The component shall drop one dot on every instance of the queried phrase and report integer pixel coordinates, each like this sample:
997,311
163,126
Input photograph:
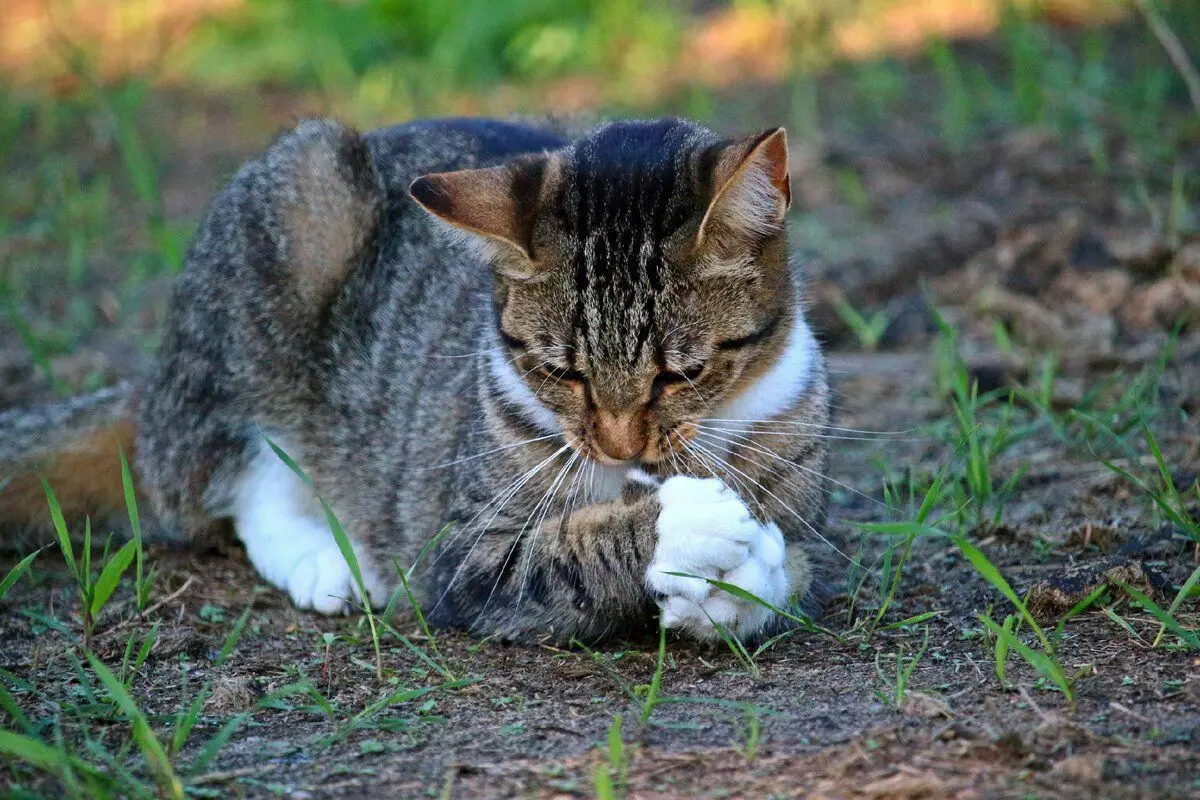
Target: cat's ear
495,208
751,190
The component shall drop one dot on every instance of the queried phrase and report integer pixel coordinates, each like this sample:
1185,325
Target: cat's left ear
751,190
494,207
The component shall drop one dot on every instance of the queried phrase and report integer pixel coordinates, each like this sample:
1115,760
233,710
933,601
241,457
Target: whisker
808,434
749,443
799,423
537,529
510,492
502,448
546,497
794,513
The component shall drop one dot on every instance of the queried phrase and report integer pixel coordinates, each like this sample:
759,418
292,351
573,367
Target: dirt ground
1018,229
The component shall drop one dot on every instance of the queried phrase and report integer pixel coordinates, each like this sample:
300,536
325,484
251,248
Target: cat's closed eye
564,374
672,378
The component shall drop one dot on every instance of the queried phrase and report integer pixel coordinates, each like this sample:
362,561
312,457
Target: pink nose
619,436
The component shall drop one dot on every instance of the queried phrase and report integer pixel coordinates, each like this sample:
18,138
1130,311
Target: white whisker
509,492
801,424
747,442
793,511
502,448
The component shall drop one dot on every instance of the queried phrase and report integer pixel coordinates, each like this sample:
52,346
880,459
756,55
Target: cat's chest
607,482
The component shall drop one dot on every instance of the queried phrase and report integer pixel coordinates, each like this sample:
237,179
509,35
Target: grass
346,547
94,589
868,330
83,206
897,684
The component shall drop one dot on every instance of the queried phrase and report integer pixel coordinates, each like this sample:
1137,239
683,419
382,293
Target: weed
897,685
656,681
347,551
957,111
868,330
94,591
1166,618
16,572
1166,497
143,581
751,732
610,779
1045,662
151,748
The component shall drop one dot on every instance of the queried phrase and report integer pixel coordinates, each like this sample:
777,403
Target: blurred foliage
105,167
413,50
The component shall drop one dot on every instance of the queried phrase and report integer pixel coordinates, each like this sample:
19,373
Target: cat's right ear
492,208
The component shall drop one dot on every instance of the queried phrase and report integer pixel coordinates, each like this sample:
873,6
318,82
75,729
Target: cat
582,359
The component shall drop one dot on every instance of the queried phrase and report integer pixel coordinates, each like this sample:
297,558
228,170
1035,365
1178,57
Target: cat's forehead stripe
620,199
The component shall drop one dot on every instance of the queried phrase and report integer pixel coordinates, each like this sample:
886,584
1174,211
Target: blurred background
1032,166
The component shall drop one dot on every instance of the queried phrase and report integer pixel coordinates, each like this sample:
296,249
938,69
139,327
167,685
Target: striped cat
585,361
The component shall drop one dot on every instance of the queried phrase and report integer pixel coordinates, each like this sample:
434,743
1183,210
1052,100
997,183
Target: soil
1017,228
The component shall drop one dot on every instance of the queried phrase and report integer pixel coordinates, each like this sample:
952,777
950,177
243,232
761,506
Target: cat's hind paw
321,580
705,530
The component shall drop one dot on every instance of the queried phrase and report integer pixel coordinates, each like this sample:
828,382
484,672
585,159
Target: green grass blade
60,527
913,620
1002,647
16,572
656,680
214,745
151,748
110,576
235,635
15,714
135,524
416,607
913,529
742,594
992,575
1167,619
1046,666
32,752
1185,591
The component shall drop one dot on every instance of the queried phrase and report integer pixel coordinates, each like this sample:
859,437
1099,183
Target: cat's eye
560,374
671,378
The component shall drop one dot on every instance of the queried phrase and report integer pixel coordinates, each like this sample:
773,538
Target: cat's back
402,153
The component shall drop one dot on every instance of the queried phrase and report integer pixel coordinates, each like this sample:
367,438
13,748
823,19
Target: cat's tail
75,444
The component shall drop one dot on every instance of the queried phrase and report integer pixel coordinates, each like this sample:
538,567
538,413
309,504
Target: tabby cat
583,360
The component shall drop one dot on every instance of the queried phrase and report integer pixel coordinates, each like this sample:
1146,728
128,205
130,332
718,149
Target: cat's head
642,277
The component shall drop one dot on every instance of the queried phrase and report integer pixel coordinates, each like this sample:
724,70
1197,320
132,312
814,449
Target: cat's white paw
705,529
292,547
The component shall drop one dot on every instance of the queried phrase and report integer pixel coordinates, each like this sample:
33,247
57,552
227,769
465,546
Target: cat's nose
621,436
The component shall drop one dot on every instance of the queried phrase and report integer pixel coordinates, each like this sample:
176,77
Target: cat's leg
289,542
605,566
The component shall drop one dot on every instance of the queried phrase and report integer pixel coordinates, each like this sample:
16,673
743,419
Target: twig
172,596
226,775
1175,50
1114,705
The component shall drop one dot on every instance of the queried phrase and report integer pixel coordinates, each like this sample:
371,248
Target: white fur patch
515,389
289,542
704,529
778,389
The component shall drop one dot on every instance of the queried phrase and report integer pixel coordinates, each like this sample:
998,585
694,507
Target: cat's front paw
321,580
704,529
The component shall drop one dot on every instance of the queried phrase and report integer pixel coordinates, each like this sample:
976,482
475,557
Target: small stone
1144,251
